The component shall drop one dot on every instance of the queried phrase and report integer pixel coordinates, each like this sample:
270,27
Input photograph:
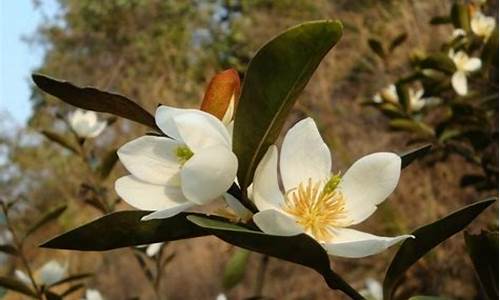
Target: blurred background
165,52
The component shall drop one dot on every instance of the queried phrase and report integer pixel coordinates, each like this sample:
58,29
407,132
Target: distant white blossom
373,290
93,294
464,66
482,25
85,123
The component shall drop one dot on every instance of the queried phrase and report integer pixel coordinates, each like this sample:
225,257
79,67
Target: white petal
304,155
266,193
274,222
22,277
237,207
97,129
164,118
368,182
146,196
168,212
52,272
152,159
473,64
92,294
459,83
353,243
200,130
153,249
228,115
208,174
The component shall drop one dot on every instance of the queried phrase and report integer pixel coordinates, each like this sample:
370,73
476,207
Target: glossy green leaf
398,41
93,99
275,77
300,249
123,229
107,164
376,47
235,269
47,218
60,140
17,286
460,16
408,157
8,249
483,251
426,238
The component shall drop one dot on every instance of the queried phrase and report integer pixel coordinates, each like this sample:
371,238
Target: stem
19,245
235,191
261,274
334,281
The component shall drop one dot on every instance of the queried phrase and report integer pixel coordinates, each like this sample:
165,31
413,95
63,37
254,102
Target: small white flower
52,272
93,294
464,65
373,290
388,94
85,123
153,249
23,277
416,100
221,296
482,25
318,203
194,166
458,32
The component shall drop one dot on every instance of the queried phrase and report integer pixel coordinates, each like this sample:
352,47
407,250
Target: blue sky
18,19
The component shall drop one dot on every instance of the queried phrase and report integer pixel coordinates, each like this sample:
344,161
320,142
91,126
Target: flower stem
261,274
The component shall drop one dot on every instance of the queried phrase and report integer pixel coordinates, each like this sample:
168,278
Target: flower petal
272,221
354,244
168,212
97,129
459,83
153,249
146,196
237,207
265,192
164,118
368,182
199,130
304,155
208,174
473,64
152,159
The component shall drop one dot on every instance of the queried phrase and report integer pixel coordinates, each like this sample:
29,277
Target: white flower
373,290
388,94
416,100
92,294
52,272
221,296
482,25
153,249
464,65
23,277
194,166
458,33
85,123
318,203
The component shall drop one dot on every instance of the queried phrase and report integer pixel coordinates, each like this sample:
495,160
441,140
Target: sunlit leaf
460,16
483,251
61,140
426,238
300,249
125,228
93,99
235,269
398,41
376,47
47,218
107,164
17,286
275,77
223,87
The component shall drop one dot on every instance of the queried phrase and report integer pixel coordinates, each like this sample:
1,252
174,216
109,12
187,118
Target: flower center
183,154
317,210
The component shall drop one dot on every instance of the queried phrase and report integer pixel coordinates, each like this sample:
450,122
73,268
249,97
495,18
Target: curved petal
97,129
473,64
145,196
459,83
152,159
168,212
153,249
208,174
368,182
304,155
237,207
265,192
354,244
272,221
201,130
164,118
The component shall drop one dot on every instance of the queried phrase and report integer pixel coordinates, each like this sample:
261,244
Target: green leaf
61,140
235,269
403,96
8,249
408,157
47,218
412,126
107,164
438,61
93,99
440,20
276,76
17,286
483,251
52,296
376,47
72,289
123,229
300,249
426,238
460,16
398,41
72,278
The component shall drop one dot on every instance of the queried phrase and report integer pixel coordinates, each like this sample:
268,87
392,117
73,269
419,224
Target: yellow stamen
317,210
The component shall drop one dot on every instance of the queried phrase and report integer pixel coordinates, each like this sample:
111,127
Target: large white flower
192,167
85,123
318,203
482,25
464,65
